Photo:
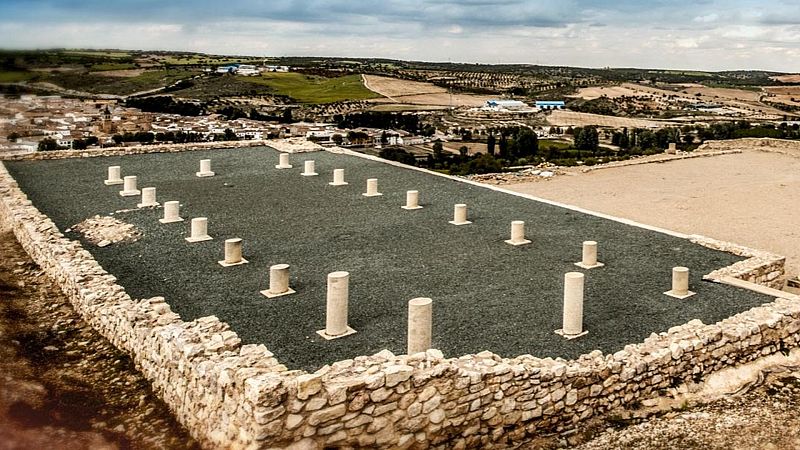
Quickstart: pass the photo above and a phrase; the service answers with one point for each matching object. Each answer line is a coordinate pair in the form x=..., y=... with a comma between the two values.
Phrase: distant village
x=30, y=123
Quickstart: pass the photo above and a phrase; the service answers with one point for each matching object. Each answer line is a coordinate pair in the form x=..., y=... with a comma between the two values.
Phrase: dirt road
x=750, y=198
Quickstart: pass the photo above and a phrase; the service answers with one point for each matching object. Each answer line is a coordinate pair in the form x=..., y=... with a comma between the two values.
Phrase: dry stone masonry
x=231, y=395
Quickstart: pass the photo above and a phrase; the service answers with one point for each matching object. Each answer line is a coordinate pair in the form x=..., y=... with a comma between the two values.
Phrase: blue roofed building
x=545, y=104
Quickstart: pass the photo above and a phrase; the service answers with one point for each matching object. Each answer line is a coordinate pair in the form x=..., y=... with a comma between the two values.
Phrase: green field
x=99, y=53
x=111, y=66
x=315, y=89
x=557, y=144
x=15, y=76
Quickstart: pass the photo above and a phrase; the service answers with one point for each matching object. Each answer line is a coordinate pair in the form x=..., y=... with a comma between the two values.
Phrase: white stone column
x=233, y=253
x=338, y=178
x=372, y=188
x=589, y=256
x=199, y=230
x=460, y=215
x=420, y=312
x=278, y=281
x=129, y=187
x=518, y=233
x=205, y=169
x=336, y=310
x=113, y=176
x=283, y=161
x=171, y=212
x=308, y=169
x=148, y=198
x=572, y=320
x=412, y=200
x=680, y=283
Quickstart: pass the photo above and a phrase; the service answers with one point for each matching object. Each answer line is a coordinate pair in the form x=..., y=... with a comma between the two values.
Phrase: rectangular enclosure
x=487, y=294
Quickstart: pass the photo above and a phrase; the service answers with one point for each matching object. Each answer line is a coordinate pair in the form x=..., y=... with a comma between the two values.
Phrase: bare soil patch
x=63, y=385
x=749, y=198
x=562, y=118
x=419, y=93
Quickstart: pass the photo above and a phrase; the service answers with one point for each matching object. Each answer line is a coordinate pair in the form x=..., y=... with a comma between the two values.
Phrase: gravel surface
x=487, y=295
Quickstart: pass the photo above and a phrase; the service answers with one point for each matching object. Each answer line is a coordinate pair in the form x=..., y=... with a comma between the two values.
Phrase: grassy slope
x=120, y=86
x=315, y=89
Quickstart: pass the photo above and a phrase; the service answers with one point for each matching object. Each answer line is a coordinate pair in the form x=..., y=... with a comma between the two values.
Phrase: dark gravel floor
x=487, y=295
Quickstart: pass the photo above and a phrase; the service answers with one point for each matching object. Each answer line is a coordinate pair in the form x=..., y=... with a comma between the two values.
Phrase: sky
x=676, y=34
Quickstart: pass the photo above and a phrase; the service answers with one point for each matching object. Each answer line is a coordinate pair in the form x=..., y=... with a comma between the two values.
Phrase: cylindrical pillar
x=205, y=168
x=148, y=197
x=336, y=312
x=129, y=183
x=278, y=278
x=308, y=169
x=233, y=251
x=199, y=227
x=517, y=231
x=129, y=187
x=171, y=210
x=573, y=304
x=460, y=215
x=419, y=325
x=338, y=177
x=372, y=188
x=589, y=258
x=283, y=161
x=114, y=173
x=680, y=281
x=412, y=200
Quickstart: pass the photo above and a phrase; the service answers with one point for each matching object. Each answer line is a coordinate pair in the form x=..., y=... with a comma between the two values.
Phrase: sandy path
x=751, y=198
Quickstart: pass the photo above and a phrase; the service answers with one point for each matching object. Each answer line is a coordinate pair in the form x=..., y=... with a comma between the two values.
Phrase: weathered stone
x=326, y=414
x=431, y=404
x=397, y=374
x=380, y=395
x=359, y=400
x=361, y=419
x=383, y=409
x=316, y=403
x=436, y=416
x=293, y=421
x=308, y=385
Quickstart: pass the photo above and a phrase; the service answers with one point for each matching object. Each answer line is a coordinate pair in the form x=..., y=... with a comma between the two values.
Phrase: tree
x=13, y=136
x=47, y=144
x=490, y=142
x=437, y=151
x=463, y=150
x=337, y=139
x=526, y=144
x=586, y=138
x=230, y=135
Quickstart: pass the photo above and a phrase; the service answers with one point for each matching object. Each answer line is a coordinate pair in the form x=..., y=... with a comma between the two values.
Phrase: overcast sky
x=673, y=34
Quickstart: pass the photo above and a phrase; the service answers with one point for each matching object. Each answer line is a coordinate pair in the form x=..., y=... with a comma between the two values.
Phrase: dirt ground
x=750, y=198
x=418, y=93
x=562, y=118
x=63, y=386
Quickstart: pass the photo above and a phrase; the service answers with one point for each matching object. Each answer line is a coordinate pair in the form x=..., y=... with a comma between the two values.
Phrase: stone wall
x=783, y=146
x=231, y=395
x=762, y=268
x=289, y=145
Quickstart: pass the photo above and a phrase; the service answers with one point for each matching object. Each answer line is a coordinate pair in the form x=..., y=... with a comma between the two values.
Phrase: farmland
x=314, y=89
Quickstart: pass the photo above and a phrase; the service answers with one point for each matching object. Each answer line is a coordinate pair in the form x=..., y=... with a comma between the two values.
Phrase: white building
x=247, y=70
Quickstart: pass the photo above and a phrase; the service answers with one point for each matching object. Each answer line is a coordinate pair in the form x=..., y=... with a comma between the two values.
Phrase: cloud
x=703, y=34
